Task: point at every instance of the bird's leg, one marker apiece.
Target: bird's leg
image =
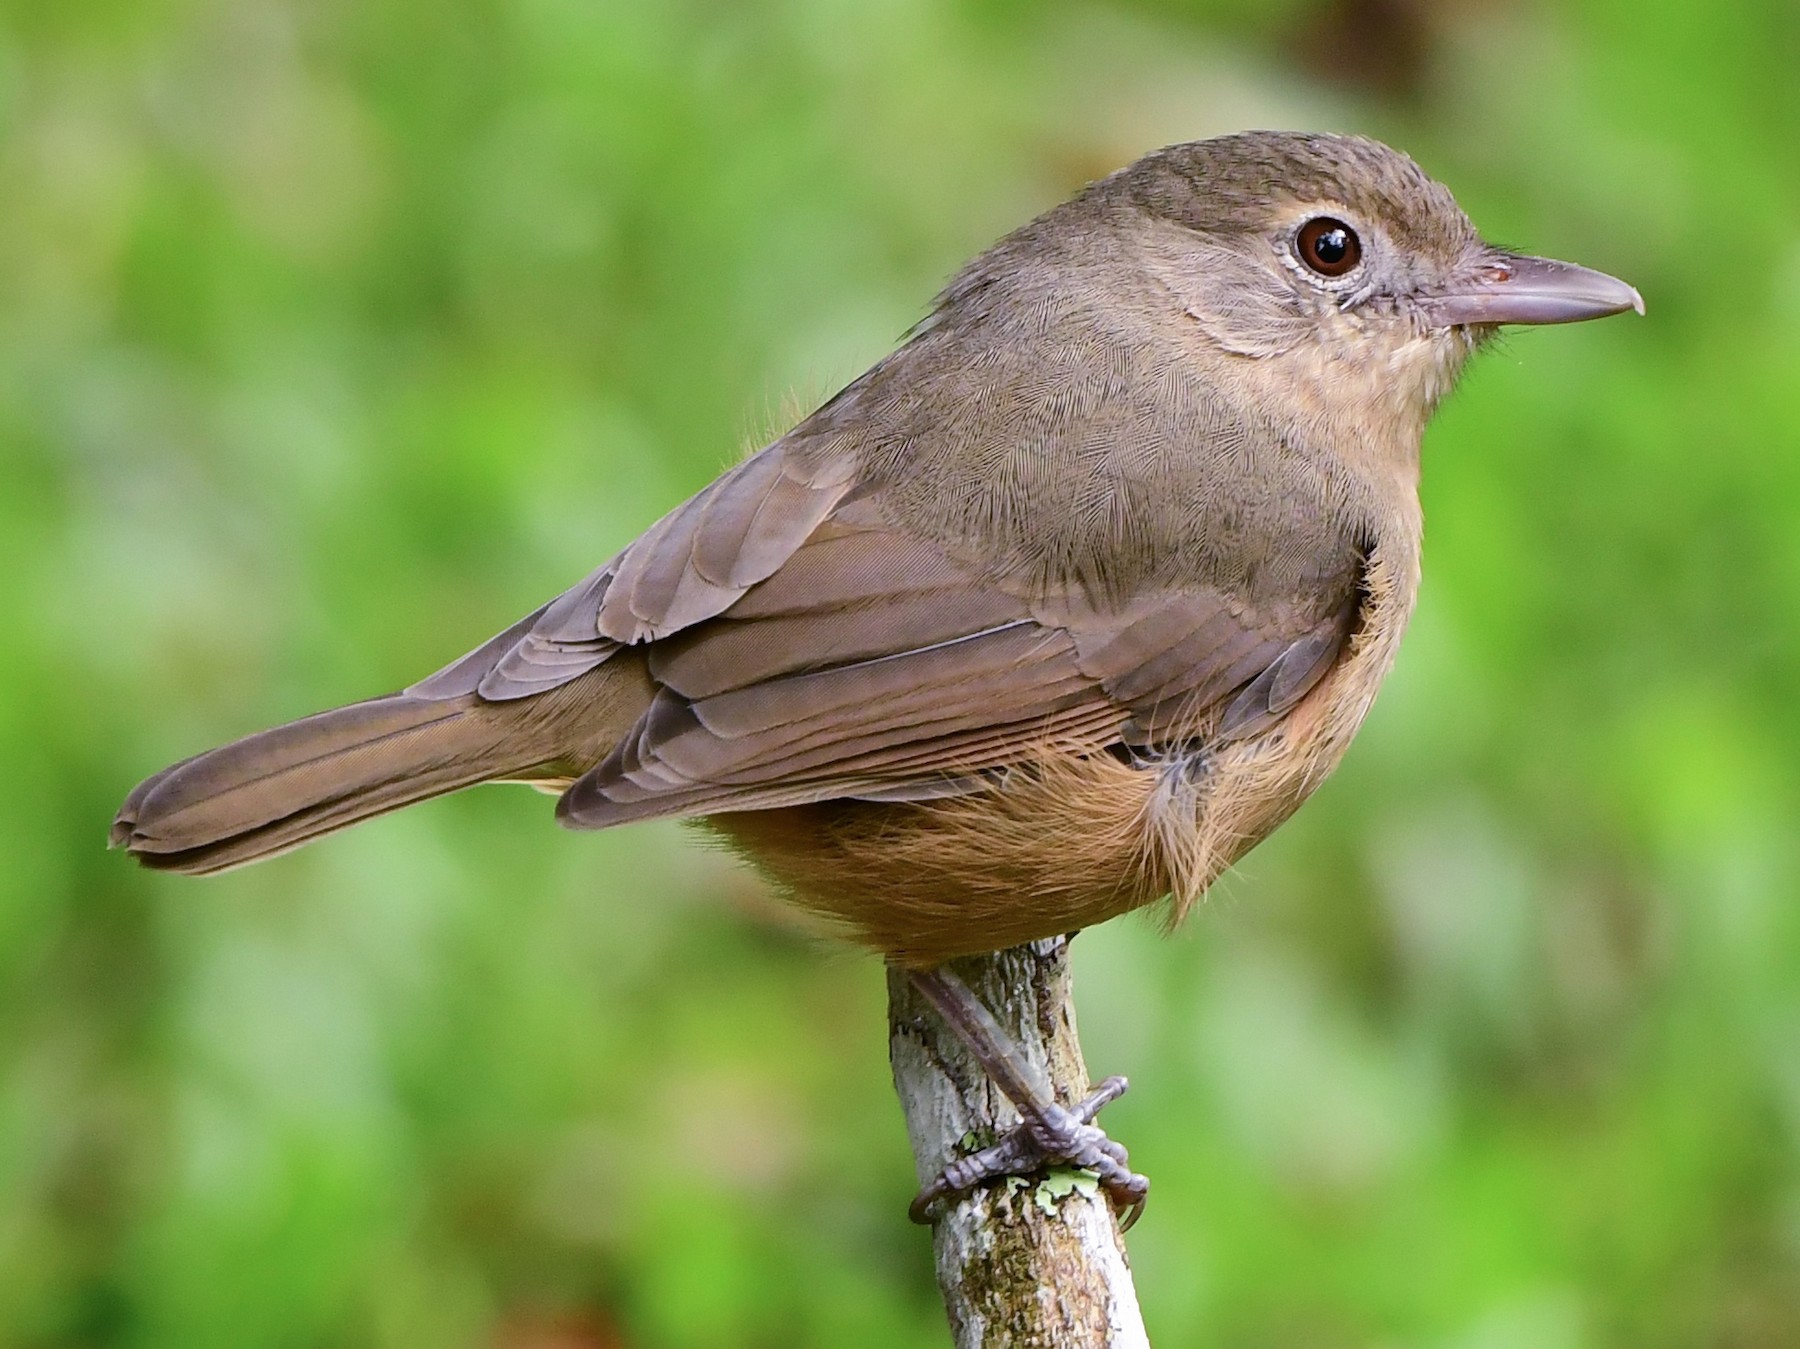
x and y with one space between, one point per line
1047 1135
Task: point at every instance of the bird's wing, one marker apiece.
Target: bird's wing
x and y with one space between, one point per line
872 664
690 565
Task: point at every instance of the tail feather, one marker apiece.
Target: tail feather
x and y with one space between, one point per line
280 788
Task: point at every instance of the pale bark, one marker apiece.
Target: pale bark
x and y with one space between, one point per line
1039 1262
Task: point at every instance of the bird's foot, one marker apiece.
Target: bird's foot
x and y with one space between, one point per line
1046 1137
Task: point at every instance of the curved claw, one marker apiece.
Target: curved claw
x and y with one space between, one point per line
1128 1190
1129 1214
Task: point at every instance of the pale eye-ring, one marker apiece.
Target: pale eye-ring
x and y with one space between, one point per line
1328 246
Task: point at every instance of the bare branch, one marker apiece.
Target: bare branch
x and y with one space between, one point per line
1029 1263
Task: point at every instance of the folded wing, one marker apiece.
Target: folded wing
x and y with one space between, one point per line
873 664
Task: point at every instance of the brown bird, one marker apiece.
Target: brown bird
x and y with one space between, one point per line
1057 611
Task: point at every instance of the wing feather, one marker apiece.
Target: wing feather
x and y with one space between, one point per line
873 664
692 564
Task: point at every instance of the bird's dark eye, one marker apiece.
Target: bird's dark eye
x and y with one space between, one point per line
1328 246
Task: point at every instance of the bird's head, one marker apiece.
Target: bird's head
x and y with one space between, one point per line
1335 275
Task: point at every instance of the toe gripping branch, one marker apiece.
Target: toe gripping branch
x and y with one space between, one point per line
1048 1135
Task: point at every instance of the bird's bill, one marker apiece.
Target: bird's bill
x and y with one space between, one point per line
1517 288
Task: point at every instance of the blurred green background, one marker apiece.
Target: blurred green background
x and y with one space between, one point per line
336 334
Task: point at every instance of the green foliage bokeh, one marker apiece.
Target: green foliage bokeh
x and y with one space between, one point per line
335 336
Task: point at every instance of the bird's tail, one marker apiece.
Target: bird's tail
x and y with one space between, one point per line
280 788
